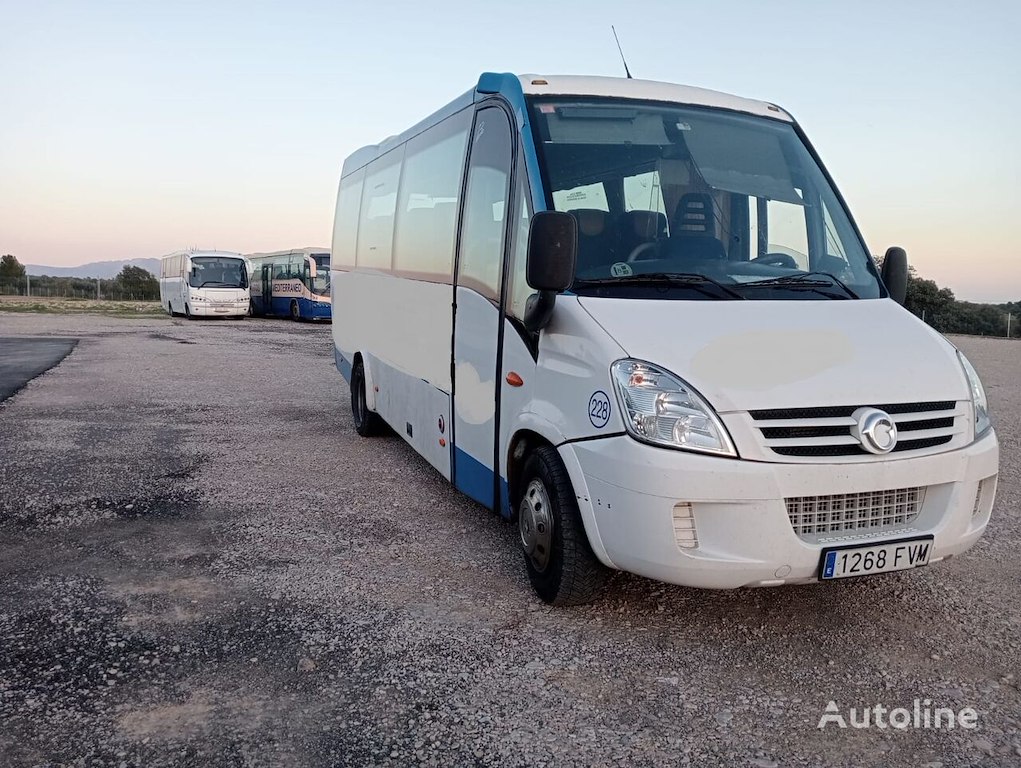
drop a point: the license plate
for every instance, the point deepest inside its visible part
(842, 562)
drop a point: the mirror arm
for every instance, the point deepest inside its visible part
(539, 310)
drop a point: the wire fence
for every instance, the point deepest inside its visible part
(77, 288)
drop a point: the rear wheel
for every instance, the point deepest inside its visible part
(367, 423)
(561, 566)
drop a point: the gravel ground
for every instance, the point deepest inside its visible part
(202, 564)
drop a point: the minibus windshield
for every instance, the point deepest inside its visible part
(667, 190)
(217, 272)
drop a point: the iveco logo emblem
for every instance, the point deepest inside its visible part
(874, 429)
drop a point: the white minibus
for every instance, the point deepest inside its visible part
(204, 284)
(639, 318)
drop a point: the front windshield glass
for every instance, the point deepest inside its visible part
(217, 272)
(696, 203)
(321, 282)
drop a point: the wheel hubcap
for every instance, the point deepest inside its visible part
(536, 525)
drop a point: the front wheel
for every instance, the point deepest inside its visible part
(561, 566)
(367, 423)
(187, 312)
(295, 311)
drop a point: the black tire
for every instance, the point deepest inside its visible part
(295, 311)
(571, 574)
(187, 312)
(367, 423)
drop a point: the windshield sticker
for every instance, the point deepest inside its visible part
(599, 409)
(621, 269)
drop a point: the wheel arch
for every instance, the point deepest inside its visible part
(523, 442)
(370, 388)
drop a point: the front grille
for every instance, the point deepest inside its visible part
(844, 512)
(827, 431)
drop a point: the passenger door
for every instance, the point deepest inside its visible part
(477, 285)
(267, 289)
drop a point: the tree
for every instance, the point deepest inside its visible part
(138, 283)
(11, 267)
(926, 296)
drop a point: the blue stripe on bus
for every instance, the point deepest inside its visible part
(342, 364)
(474, 479)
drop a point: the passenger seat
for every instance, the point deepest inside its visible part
(595, 240)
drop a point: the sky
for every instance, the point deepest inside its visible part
(132, 129)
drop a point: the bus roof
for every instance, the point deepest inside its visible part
(516, 87)
(645, 90)
(193, 252)
(292, 251)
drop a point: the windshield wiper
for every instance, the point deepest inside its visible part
(680, 279)
(804, 280)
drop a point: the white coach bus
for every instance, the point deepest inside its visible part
(639, 318)
(204, 284)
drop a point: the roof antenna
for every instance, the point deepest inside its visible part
(626, 70)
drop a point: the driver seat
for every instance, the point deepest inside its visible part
(637, 227)
(694, 215)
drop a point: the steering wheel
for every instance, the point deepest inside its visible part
(776, 260)
(642, 248)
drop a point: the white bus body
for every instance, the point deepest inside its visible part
(204, 284)
(722, 392)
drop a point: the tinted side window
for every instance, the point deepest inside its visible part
(427, 203)
(519, 291)
(485, 204)
(345, 222)
(379, 201)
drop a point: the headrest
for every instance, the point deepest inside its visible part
(648, 225)
(591, 221)
(694, 215)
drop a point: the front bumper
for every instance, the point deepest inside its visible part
(209, 309)
(744, 534)
(320, 310)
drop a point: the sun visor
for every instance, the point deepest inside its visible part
(733, 158)
(585, 124)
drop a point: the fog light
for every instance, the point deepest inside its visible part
(986, 487)
(685, 533)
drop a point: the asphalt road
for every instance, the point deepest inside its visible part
(22, 359)
(201, 563)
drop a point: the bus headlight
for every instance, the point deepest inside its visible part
(978, 396)
(662, 409)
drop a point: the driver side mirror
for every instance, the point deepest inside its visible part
(549, 269)
(895, 274)
(552, 251)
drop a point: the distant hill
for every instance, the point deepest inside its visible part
(103, 269)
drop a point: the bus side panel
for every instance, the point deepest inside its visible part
(406, 323)
(403, 330)
(417, 411)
